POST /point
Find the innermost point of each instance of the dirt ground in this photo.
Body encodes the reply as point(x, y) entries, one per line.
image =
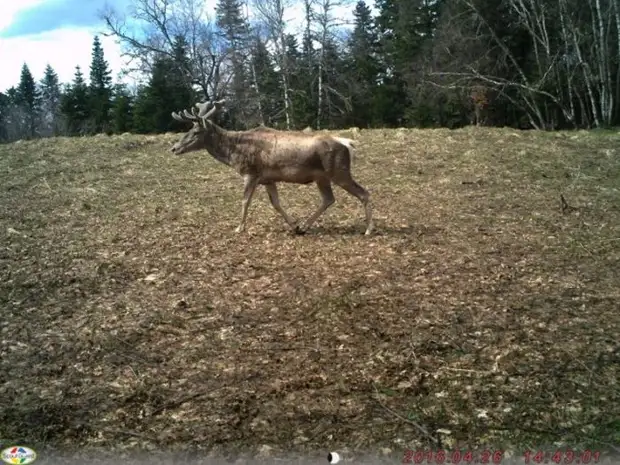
point(483, 313)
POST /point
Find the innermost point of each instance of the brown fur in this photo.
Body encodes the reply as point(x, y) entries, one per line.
point(265, 156)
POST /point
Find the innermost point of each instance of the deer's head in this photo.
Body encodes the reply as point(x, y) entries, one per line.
point(202, 130)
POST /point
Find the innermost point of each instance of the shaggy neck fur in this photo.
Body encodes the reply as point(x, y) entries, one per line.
point(217, 143)
point(227, 146)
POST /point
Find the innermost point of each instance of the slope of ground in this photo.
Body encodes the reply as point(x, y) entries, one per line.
point(484, 311)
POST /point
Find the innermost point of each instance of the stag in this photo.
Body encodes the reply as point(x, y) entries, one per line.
point(265, 156)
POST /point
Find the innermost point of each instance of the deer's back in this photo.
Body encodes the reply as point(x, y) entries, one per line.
point(303, 160)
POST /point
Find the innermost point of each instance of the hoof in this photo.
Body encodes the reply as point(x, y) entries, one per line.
point(299, 231)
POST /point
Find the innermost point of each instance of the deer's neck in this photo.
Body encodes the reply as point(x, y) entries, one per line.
point(219, 145)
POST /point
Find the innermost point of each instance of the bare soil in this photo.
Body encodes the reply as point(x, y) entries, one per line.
point(483, 313)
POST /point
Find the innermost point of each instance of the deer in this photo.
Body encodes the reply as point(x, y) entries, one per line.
point(266, 156)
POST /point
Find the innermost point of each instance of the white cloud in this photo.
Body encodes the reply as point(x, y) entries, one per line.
point(67, 47)
point(63, 49)
point(10, 9)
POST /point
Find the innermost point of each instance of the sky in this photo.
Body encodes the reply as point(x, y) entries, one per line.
point(60, 32)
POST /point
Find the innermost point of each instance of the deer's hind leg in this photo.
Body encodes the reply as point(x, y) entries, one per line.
point(356, 190)
point(327, 198)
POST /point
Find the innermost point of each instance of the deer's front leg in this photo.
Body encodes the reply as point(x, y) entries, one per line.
point(272, 191)
point(249, 186)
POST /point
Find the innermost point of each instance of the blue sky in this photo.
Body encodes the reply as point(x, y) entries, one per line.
point(52, 15)
point(60, 32)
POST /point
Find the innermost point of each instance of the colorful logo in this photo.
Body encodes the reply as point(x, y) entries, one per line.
point(18, 455)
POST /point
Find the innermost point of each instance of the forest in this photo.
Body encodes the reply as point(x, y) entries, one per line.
point(481, 316)
point(526, 64)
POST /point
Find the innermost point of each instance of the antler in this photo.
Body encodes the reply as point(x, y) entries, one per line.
point(205, 111)
point(203, 107)
point(184, 116)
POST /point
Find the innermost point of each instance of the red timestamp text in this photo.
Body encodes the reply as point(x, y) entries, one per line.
point(453, 457)
point(567, 457)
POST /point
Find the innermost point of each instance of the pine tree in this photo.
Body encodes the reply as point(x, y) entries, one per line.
point(161, 94)
point(304, 96)
point(4, 117)
point(268, 83)
point(166, 92)
point(29, 102)
point(75, 105)
point(302, 81)
point(335, 103)
point(100, 88)
point(50, 102)
point(405, 28)
point(363, 64)
point(12, 116)
point(122, 109)
point(183, 95)
point(235, 31)
point(143, 110)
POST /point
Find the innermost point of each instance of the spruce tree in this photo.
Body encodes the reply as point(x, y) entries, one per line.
point(336, 104)
point(302, 81)
point(100, 88)
point(4, 117)
point(405, 28)
point(234, 29)
point(75, 105)
point(268, 82)
point(50, 102)
point(166, 92)
point(143, 110)
point(161, 94)
point(29, 102)
point(363, 64)
point(183, 95)
point(11, 116)
point(122, 109)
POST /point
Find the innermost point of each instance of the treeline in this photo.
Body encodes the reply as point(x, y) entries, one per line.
point(48, 108)
point(544, 64)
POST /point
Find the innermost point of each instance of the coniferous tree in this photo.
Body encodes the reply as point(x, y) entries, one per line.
point(122, 109)
point(12, 116)
point(268, 83)
point(162, 96)
point(183, 95)
point(165, 93)
point(364, 67)
point(299, 84)
point(50, 102)
point(4, 117)
point(235, 31)
point(100, 88)
point(143, 110)
point(336, 104)
point(405, 27)
point(28, 101)
point(75, 105)
point(304, 76)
